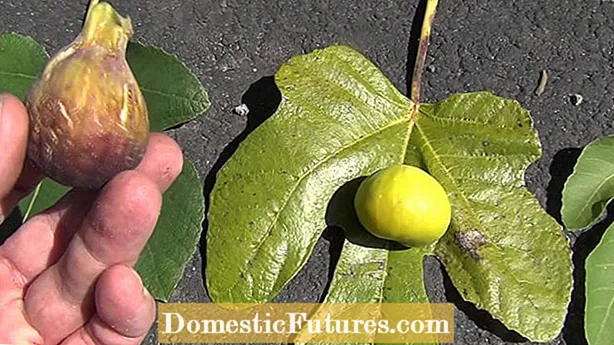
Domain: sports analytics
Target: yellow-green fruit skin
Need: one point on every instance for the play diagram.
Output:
(405, 204)
(88, 118)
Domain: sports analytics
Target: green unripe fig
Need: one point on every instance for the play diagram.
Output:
(405, 204)
(88, 118)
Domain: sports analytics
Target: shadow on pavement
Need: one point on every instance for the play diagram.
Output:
(336, 238)
(560, 169)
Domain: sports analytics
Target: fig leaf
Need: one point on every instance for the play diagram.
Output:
(174, 96)
(340, 120)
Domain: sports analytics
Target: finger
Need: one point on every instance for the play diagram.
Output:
(125, 311)
(39, 243)
(13, 141)
(163, 160)
(115, 232)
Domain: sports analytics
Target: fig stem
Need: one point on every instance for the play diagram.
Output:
(105, 27)
(425, 34)
(92, 4)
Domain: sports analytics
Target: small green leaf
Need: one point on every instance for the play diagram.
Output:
(339, 119)
(590, 187)
(173, 94)
(176, 236)
(599, 314)
(21, 60)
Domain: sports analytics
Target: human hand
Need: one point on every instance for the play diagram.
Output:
(66, 275)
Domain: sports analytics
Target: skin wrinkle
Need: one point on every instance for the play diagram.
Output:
(91, 341)
(62, 278)
(17, 279)
(90, 251)
(12, 299)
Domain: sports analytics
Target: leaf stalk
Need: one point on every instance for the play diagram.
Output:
(427, 24)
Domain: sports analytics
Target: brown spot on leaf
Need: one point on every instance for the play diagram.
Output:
(470, 241)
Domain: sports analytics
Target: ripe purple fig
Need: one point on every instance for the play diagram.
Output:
(88, 118)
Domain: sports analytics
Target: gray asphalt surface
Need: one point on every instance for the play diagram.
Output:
(500, 46)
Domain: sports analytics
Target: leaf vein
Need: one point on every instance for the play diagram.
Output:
(32, 201)
(359, 77)
(17, 74)
(191, 100)
(605, 318)
(595, 191)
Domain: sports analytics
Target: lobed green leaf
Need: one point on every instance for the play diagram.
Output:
(340, 119)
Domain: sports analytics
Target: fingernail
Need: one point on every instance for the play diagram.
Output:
(146, 292)
(138, 277)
